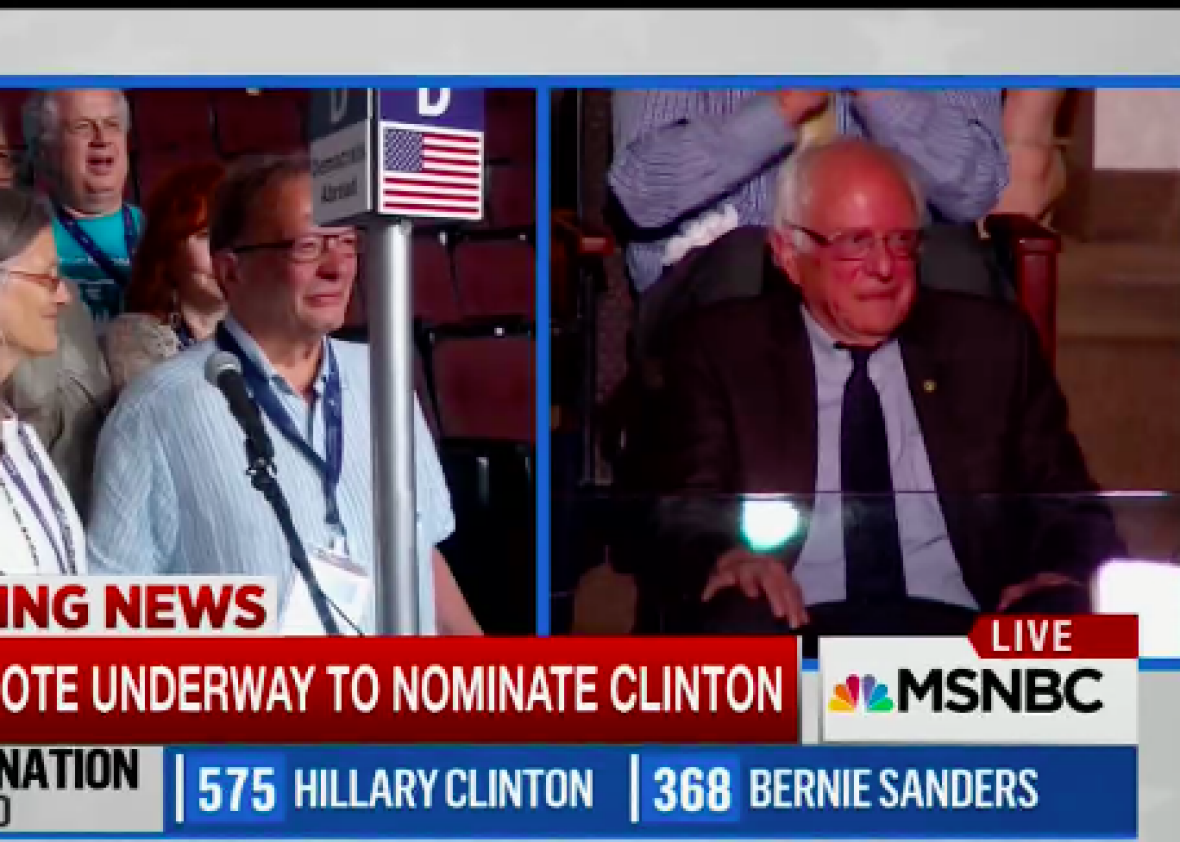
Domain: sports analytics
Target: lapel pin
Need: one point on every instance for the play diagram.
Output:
(929, 386)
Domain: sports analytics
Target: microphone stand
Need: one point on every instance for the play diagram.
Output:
(262, 476)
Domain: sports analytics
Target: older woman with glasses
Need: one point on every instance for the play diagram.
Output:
(40, 531)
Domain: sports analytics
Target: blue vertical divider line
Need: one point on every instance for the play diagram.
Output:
(543, 383)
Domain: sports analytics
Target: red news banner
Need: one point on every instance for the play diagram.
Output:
(168, 661)
(152, 691)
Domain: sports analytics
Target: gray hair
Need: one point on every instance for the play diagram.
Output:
(40, 118)
(23, 216)
(793, 192)
(236, 199)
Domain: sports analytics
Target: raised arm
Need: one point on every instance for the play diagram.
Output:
(1036, 163)
(953, 137)
(673, 158)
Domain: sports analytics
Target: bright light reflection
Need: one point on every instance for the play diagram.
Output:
(1149, 589)
(768, 524)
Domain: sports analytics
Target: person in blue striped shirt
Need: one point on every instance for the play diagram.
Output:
(171, 494)
(687, 162)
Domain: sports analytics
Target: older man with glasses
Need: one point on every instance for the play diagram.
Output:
(918, 435)
(78, 144)
(171, 491)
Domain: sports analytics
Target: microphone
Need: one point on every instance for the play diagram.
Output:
(223, 370)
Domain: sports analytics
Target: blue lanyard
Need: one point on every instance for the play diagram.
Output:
(260, 387)
(183, 335)
(105, 262)
(65, 554)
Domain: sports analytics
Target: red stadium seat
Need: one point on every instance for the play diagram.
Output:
(497, 277)
(300, 97)
(511, 134)
(434, 283)
(171, 121)
(511, 196)
(487, 388)
(11, 100)
(257, 124)
(151, 167)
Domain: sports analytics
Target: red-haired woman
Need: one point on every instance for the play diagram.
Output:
(173, 300)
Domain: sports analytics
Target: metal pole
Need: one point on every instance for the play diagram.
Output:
(391, 350)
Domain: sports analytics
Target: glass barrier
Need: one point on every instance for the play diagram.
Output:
(832, 564)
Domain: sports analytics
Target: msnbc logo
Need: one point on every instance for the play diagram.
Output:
(871, 696)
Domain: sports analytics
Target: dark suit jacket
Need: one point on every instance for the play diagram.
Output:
(739, 416)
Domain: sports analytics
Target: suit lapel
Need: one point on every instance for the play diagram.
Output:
(784, 411)
(935, 414)
(942, 432)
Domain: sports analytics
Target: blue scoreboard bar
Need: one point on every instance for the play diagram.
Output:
(812, 792)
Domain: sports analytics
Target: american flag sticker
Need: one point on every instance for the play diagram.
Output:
(431, 172)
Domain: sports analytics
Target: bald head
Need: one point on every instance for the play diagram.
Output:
(815, 176)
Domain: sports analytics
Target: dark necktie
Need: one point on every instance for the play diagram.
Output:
(872, 544)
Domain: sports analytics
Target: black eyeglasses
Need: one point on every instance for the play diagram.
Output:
(310, 247)
(858, 243)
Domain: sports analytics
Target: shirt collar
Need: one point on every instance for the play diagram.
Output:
(254, 351)
(823, 345)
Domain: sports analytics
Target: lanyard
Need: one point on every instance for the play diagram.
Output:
(64, 553)
(183, 335)
(260, 387)
(130, 237)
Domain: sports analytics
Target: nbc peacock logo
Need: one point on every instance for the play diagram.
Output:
(862, 692)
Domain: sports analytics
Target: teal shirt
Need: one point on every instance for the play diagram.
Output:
(102, 294)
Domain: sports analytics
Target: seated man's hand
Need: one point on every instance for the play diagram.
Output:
(759, 575)
(1015, 593)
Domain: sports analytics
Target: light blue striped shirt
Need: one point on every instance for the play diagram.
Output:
(931, 569)
(171, 493)
(679, 153)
